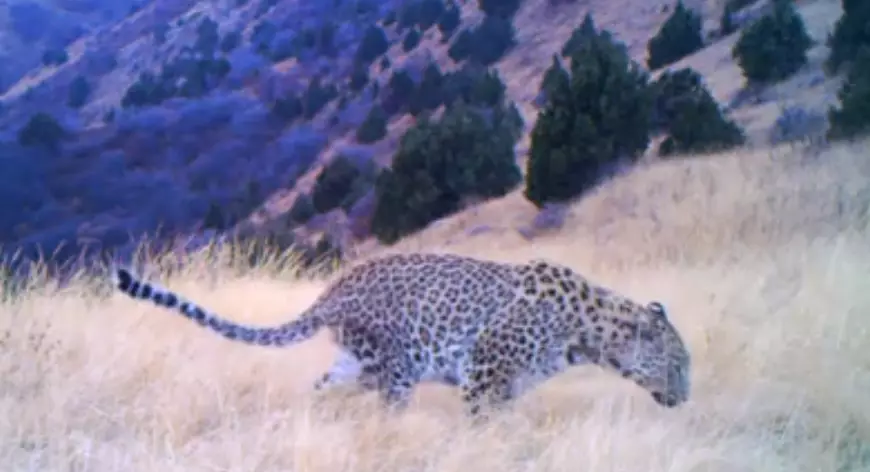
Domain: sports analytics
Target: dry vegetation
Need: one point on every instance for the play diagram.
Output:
(762, 259)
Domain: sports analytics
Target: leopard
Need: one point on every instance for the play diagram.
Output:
(492, 329)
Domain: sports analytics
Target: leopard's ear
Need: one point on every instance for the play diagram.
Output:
(657, 309)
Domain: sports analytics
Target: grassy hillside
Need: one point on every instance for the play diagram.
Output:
(761, 258)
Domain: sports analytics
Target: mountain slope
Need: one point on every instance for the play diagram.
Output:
(221, 159)
(770, 304)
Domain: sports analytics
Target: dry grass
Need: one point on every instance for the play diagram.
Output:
(774, 313)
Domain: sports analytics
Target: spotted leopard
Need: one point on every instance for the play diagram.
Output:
(493, 329)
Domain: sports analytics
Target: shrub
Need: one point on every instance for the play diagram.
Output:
(359, 77)
(401, 90)
(390, 18)
(411, 40)
(691, 116)
(461, 47)
(493, 38)
(499, 8)
(207, 37)
(231, 41)
(440, 164)
(485, 44)
(262, 36)
(79, 92)
(670, 86)
(679, 36)
(580, 35)
(373, 44)
(42, 130)
(292, 154)
(409, 15)
(339, 183)
(54, 57)
(774, 47)
(317, 96)
(596, 116)
(726, 21)
(245, 64)
(852, 118)
(374, 127)
(214, 218)
(473, 84)
(429, 13)
(288, 108)
(851, 33)
(325, 39)
(796, 123)
(553, 76)
(284, 46)
(302, 210)
(449, 20)
(429, 95)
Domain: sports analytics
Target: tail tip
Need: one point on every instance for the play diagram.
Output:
(123, 279)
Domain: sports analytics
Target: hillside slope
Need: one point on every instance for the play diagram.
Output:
(761, 259)
(220, 161)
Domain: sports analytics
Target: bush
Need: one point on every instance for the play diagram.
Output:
(214, 218)
(796, 123)
(79, 92)
(325, 39)
(851, 33)
(579, 36)
(207, 37)
(231, 41)
(42, 130)
(54, 57)
(553, 76)
(340, 183)
(373, 44)
(409, 15)
(429, 95)
(596, 116)
(317, 96)
(493, 38)
(691, 116)
(726, 21)
(679, 36)
(374, 127)
(262, 36)
(292, 154)
(359, 77)
(401, 89)
(195, 76)
(429, 13)
(302, 210)
(411, 40)
(774, 47)
(390, 18)
(450, 20)
(475, 85)
(461, 47)
(486, 44)
(499, 8)
(288, 108)
(852, 118)
(440, 164)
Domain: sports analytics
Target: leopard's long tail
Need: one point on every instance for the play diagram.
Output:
(298, 330)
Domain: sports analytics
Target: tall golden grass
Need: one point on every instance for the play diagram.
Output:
(762, 259)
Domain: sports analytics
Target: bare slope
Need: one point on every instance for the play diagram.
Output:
(762, 261)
